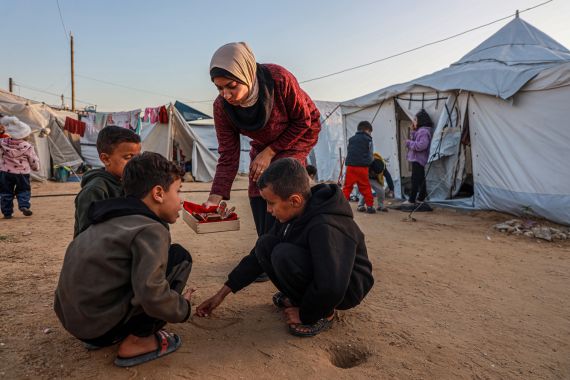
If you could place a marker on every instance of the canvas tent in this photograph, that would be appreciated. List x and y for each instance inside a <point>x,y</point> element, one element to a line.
<point>501,119</point>
<point>53,148</point>
<point>164,138</point>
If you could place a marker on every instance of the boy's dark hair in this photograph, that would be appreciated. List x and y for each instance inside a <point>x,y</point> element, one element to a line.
<point>364,126</point>
<point>286,176</point>
<point>111,136</point>
<point>147,170</point>
<point>311,170</point>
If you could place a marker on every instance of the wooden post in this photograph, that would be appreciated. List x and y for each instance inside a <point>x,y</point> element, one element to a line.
<point>72,74</point>
<point>10,84</point>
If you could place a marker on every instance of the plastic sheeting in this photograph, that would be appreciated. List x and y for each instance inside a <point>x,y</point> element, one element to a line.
<point>331,146</point>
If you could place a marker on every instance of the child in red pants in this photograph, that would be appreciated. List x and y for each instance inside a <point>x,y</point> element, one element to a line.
<point>358,159</point>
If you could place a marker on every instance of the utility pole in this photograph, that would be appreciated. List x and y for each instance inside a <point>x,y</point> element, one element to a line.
<point>72,74</point>
<point>62,101</point>
<point>10,84</point>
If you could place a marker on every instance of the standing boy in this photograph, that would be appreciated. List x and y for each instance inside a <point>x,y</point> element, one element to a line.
<point>358,159</point>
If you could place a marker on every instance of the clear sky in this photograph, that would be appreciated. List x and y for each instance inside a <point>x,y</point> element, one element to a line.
<point>164,47</point>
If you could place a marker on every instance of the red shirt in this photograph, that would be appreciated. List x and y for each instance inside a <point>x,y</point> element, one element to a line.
<point>292,131</point>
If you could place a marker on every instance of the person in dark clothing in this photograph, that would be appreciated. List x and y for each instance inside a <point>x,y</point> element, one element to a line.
<point>358,159</point>
<point>116,146</point>
<point>418,151</point>
<point>315,254</point>
<point>121,279</point>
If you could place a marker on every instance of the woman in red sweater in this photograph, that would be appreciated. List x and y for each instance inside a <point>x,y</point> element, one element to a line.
<point>265,103</point>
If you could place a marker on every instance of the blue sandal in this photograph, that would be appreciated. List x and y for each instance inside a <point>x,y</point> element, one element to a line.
<point>167,343</point>
<point>314,329</point>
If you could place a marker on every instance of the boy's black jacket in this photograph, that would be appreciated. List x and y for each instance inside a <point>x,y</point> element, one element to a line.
<point>360,150</point>
<point>326,229</point>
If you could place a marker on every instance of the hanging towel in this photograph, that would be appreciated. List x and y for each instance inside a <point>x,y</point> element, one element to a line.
<point>74,126</point>
<point>163,115</point>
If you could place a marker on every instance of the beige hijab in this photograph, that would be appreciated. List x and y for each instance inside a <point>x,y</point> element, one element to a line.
<point>238,59</point>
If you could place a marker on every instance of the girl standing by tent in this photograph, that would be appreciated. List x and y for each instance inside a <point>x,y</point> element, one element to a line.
<point>265,103</point>
<point>418,152</point>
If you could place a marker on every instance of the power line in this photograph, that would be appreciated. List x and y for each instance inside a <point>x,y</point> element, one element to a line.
<point>143,90</point>
<point>61,18</point>
<point>423,46</point>
<point>52,93</point>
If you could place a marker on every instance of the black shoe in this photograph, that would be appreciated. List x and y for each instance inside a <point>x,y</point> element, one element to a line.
<point>7,216</point>
<point>370,210</point>
<point>361,209</point>
<point>262,278</point>
<point>26,211</point>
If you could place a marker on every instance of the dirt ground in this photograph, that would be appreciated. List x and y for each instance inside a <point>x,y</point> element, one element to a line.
<point>453,300</point>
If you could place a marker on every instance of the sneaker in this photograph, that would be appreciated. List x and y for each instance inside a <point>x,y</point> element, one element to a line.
<point>26,211</point>
<point>7,216</point>
<point>361,209</point>
<point>370,210</point>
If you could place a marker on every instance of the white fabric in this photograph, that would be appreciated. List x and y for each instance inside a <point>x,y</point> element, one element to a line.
<point>331,146</point>
<point>522,148</point>
<point>38,116</point>
<point>160,138</point>
<point>446,167</point>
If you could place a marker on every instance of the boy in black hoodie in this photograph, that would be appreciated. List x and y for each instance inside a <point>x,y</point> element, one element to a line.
<point>116,146</point>
<point>315,253</point>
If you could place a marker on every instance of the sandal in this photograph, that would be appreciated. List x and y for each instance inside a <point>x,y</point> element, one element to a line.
<point>167,343</point>
<point>314,329</point>
<point>281,300</point>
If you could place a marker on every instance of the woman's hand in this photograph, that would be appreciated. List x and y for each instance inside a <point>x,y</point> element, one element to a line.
<point>260,163</point>
<point>213,200</point>
<point>188,294</point>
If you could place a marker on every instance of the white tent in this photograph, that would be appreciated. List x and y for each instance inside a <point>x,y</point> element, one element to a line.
<point>331,147</point>
<point>53,148</point>
<point>500,115</point>
<point>194,140</point>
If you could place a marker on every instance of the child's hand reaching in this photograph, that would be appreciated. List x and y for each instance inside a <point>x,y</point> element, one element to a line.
<point>206,307</point>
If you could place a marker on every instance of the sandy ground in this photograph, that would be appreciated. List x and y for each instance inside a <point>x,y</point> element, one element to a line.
<point>452,299</point>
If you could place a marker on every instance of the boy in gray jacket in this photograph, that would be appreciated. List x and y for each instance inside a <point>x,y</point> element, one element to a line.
<point>121,279</point>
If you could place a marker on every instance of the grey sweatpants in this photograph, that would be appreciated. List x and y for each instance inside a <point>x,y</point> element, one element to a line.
<point>380,194</point>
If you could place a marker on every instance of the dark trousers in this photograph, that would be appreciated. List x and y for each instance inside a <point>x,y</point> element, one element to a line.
<point>140,324</point>
<point>289,267</point>
<point>14,185</point>
<point>263,220</point>
<point>418,183</point>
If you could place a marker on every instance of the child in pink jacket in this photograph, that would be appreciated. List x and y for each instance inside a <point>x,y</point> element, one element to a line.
<point>17,159</point>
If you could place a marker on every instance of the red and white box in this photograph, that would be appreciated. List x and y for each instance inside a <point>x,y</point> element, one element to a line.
<point>231,223</point>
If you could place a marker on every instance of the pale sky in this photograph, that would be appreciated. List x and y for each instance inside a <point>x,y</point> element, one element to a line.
<point>165,47</point>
